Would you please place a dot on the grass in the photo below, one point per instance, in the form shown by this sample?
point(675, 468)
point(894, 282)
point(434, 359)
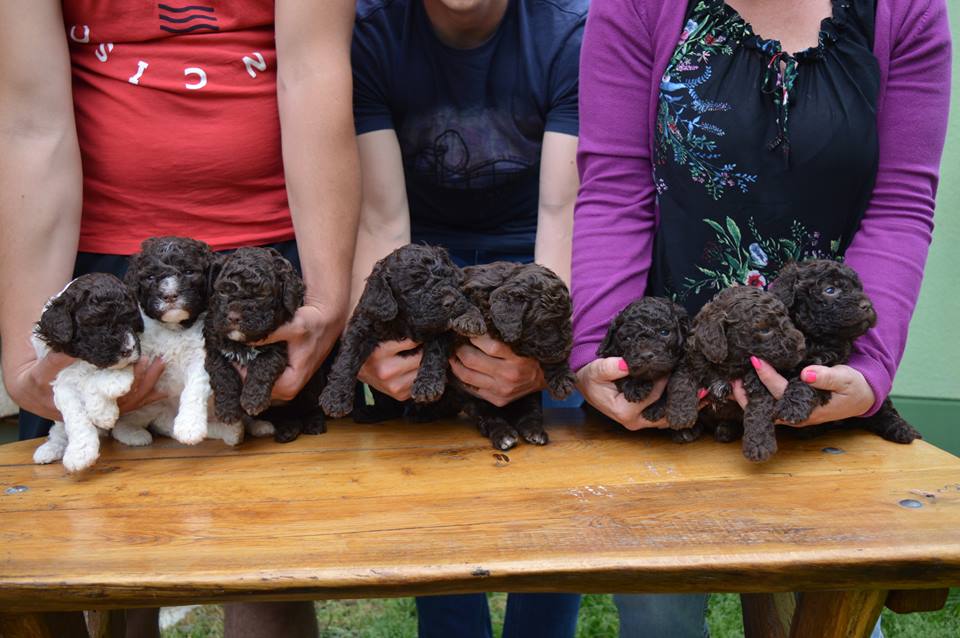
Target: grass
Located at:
point(397, 618)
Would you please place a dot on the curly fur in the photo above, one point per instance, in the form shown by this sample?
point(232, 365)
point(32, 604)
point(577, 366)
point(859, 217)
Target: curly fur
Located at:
point(738, 322)
point(170, 277)
point(827, 303)
point(649, 335)
point(527, 307)
point(412, 293)
point(255, 291)
point(96, 320)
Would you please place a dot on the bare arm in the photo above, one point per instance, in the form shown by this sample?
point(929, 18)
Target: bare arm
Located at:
point(558, 193)
point(40, 188)
point(384, 226)
point(314, 92)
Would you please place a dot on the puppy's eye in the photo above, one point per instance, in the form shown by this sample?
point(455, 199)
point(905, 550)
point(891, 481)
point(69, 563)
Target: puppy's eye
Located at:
point(665, 332)
point(189, 272)
point(151, 278)
point(765, 332)
point(831, 291)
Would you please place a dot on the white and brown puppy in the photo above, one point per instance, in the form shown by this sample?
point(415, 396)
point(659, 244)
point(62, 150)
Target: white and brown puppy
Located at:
point(170, 277)
point(96, 320)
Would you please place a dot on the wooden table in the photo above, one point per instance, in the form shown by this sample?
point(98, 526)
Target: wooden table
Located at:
point(398, 509)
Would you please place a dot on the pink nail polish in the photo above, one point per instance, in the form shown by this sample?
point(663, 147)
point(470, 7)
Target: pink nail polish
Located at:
point(810, 376)
point(701, 393)
point(623, 365)
point(757, 364)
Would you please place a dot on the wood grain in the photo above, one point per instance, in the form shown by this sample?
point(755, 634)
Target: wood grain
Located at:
point(768, 615)
point(398, 509)
point(907, 601)
point(840, 614)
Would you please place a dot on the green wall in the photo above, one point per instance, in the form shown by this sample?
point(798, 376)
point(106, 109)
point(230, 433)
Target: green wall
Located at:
point(929, 375)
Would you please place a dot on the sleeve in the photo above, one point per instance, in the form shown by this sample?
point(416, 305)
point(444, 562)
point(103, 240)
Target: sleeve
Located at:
point(564, 84)
point(369, 59)
point(615, 215)
point(890, 248)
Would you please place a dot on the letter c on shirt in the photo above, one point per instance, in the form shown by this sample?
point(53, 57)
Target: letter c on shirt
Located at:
point(200, 73)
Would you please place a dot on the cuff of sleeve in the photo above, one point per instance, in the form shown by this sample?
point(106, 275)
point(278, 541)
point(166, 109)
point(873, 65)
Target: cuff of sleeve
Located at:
point(582, 354)
point(876, 375)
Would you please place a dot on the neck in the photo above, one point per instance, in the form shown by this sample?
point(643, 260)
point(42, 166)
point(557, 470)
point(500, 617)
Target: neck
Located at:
point(465, 24)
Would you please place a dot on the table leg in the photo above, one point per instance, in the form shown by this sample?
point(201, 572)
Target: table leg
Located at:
point(767, 615)
point(837, 614)
point(905, 601)
point(51, 625)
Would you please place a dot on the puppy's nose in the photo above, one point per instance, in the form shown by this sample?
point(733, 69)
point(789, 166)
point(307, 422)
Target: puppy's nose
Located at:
point(233, 316)
point(170, 297)
point(646, 356)
point(865, 305)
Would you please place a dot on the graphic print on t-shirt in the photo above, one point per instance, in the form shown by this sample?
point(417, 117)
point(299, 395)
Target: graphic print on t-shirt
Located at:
point(187, 18)
point(478, 149)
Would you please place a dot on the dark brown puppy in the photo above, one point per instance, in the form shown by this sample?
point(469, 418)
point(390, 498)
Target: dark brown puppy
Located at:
point(95, 319)
point(827, 303)
point(412, 293)
point(171, 278)
point(255, 291)
point(738, 322)
point(649, 334)
point(527, 307)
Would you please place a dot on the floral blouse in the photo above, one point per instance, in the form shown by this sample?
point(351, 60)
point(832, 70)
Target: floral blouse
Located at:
point(761, 156)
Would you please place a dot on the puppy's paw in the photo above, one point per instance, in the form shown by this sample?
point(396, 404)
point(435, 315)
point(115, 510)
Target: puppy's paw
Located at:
point(635, 390)
point(49, 452)
point(105, 415)
point(654, 411)
point(314, 424)
point(189, 431)
point(902, 432)
point(227, 410)
point(562, 385)
point(537, 437)
point(681, 414)
point(792, 410)
point(286, 432)
point(759, 448)
point(258, 428)
point(727, 432)
point(131, 435)
point(255, 399)
point(80, 457)
point(230, 433)
point(469, 324)
point(687, 435)
point(504, 439)
point(427, 388)
point(337, 402)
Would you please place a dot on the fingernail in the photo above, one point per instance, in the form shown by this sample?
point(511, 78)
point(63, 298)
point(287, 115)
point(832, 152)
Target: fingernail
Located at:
point(809, 376)
point(757, 364)
point(702, 392)
point(623, 365)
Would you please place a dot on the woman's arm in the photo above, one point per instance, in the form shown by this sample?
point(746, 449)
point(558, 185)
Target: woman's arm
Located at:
point(315, 97)
point(890, 248)
point(40, 189)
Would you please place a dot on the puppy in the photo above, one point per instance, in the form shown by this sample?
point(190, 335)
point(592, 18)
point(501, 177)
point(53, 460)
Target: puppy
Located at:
point(414, 292)
point(170, 277)
point(649, 335)
point(255, 291)
point(827, 303)
point(96, 320)
point(527, 307)
point(738, 322)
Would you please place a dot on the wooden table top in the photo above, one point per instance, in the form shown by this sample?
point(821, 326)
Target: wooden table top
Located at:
point(399, 509)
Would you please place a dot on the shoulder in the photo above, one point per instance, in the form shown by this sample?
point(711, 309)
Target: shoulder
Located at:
point(379, 11)
point(899, 23)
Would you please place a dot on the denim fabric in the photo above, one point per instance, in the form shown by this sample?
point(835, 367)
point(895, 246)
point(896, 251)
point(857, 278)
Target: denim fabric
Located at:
point(527, 616)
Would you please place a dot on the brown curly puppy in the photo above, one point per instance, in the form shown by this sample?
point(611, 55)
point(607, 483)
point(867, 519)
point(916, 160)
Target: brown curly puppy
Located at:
point(738, 322)
point(649, 334)
point(827, 303)
point(527, 307)
point(255, 291)
point(412, 293)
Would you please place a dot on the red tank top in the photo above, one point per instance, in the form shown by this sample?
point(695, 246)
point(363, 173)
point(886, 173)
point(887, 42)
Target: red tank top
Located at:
point(176, 114)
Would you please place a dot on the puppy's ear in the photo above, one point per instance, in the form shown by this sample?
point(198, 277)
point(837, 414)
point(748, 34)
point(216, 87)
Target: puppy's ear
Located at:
point(213, 270)
point(608, 347)
point(712, 338)
point(507, 314)
point(291, 285)
point(377, 298)
point(784, 287)
point(56, 323)
point(683, 324)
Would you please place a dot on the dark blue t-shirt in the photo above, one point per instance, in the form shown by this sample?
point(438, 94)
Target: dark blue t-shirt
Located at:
point(470, 122)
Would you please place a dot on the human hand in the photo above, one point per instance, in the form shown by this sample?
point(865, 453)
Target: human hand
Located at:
point(310, 335)
point(596, 382)
point(851, 395)
point(142, 391)
point(391, 371)
point(492, 371)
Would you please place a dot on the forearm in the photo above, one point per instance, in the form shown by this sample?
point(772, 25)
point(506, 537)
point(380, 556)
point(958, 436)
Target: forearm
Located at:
point(558, 193)
point(378, 235)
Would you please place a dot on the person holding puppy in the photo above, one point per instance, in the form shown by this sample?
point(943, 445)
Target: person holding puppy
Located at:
point(711, 155)
point(466, 116)
point(121, 125)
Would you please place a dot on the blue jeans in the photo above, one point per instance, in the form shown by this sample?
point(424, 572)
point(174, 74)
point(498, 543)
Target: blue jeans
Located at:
point(468, 616)
point(670, 616)
point(32, 426)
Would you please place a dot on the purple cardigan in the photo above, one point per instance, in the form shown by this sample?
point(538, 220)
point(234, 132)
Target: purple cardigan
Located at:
point(626, 48)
